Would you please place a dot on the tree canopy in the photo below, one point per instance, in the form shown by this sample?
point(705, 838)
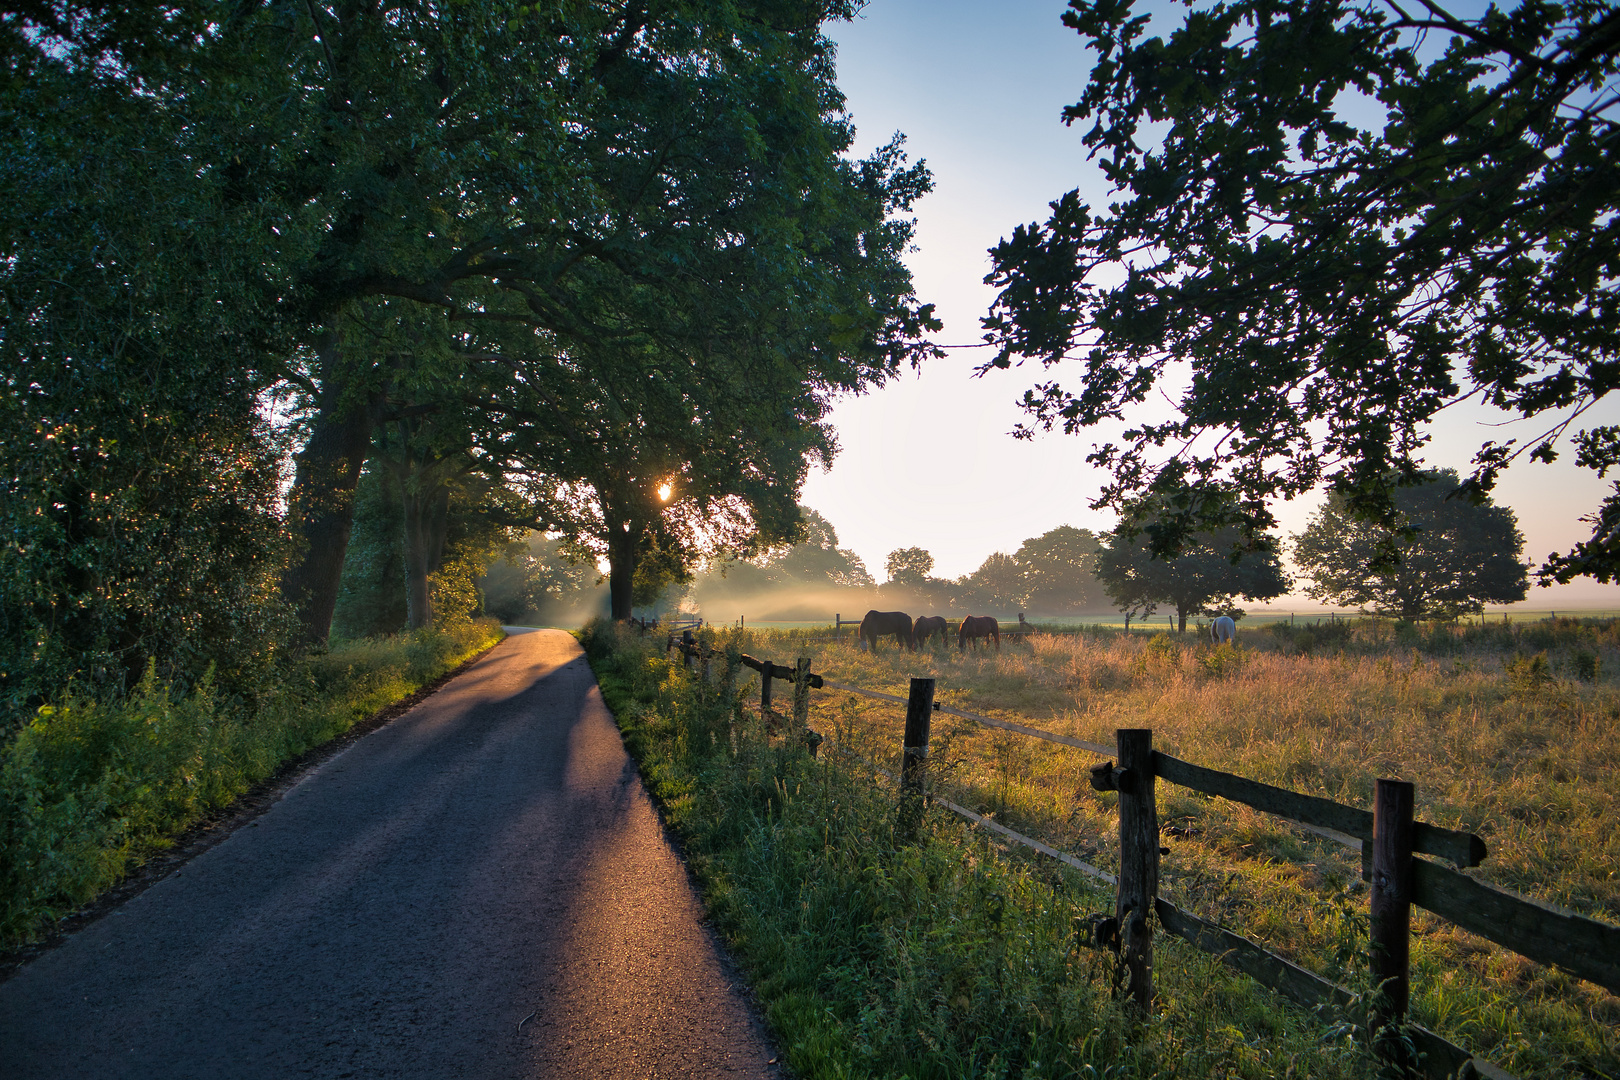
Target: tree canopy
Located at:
point(1060, 571)
point(1455, 556)
point(1331, 221)
point(1205, 578)
point(908, 566)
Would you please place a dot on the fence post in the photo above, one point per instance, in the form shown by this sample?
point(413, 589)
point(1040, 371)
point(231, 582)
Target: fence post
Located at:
point(733, 665)
point(914, 756)
point(838, 626)
point(767, 672)
point(801, 694)
point(1138, 862)
point(1391, 911)
point(686, 649)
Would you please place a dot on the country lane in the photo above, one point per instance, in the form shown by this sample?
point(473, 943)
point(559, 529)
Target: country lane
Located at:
point(480, 888)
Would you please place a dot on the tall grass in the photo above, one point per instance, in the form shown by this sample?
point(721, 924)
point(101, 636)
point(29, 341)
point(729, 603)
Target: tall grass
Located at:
point(942, 958)
point(1507, 731)
point(91, 788)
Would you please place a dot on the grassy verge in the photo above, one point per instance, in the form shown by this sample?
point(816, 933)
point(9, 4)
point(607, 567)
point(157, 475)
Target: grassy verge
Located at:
point(1507, 731)
point(947, 957)
point(90, 789)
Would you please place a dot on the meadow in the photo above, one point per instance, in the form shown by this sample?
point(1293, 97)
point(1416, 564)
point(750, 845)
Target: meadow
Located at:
point(1506, 730)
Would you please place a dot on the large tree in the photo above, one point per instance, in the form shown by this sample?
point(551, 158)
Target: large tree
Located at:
point(690, 245)
point(1331, 220)
point(908, 566)
point(997, 585)
point(1207, 577)
point(817, 559)
point(1455, 556)
point(140, 491)
point(1060, 570)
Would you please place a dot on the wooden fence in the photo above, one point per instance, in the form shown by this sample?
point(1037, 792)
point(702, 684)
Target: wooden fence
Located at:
point(1393, 847)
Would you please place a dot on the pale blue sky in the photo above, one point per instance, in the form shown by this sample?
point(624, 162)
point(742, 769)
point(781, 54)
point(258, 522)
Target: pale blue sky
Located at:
point(977, 88)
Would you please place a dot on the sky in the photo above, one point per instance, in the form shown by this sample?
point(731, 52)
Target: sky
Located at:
point(928, 460)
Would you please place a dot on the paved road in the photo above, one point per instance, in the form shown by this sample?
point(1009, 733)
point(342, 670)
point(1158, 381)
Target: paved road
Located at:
point(489, 855)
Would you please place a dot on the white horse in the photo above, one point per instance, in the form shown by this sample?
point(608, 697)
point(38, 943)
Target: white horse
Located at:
point(1223, 630)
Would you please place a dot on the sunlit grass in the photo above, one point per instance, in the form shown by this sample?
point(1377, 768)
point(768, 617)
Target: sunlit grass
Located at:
point(91, 788)
point(940, 958)
point(1518, 749)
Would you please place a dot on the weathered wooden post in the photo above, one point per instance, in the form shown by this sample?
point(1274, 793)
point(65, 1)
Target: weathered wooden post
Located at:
point(1391, 904)
point(687, 642)
point(1138, 862)
point(838, 626)
point(801, 694)
point(767, 672)
point(733, 665)
point(914, 756)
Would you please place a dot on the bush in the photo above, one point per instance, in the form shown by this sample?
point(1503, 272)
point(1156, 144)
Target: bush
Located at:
point(89, 788)
point(1527, 674)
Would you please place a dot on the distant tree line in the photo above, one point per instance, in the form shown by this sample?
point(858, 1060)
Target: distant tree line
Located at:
point(1454, 556)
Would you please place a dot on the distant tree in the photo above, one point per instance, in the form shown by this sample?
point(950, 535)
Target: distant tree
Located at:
point(1060, 571)
point(1329, 221)
point(1203, 579)
point(817, 559)
point(998, 584)
point(1454, 556)
point(908, 566)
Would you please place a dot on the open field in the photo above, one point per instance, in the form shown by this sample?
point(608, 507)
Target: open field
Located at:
point(1507, 730)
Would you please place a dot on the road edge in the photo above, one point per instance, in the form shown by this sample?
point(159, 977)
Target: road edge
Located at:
point(219, 825)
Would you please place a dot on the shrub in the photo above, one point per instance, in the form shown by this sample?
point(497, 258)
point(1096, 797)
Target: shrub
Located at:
point(1527, 674)
point(89, 788)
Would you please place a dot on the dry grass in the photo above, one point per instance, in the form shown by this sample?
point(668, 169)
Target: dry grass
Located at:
point(1518, 749)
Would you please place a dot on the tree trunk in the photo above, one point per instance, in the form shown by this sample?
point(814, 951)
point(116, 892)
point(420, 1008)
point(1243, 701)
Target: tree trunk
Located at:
point(418, 600)
point(427, 516)
point(321, 509)
point(623, 540)
point(1181, 621)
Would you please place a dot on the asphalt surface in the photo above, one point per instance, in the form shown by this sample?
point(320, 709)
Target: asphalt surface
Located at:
point(479, 889)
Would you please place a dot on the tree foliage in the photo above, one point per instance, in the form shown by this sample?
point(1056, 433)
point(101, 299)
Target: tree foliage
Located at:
point(817, 559)
point(908, 566)
point(1207, 577)
point(139, 497)
point(1331, 221)
point(1455, 556)
point(1060, 571)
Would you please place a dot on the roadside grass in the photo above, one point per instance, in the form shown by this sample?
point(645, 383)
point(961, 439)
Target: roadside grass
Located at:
point(947, 957)
point(1507, 731)
point(89, 789)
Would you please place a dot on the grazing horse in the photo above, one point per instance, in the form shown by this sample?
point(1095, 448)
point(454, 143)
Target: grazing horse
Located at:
point(882, 623)
point(975, 627)
point(1223, 630)
point(927, 627)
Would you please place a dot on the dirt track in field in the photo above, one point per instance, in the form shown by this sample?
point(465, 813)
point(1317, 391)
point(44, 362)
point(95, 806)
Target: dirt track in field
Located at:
point(481, 888)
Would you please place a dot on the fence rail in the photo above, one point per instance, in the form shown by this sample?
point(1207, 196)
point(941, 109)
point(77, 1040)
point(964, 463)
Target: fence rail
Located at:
point(1584, 947)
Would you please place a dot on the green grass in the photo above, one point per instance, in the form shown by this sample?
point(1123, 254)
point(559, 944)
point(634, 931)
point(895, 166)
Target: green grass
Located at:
point(89, 789)
point(947, 957)
point(1507, 731)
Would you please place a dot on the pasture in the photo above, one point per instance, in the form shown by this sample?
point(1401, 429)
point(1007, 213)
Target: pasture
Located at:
point(1507, 731)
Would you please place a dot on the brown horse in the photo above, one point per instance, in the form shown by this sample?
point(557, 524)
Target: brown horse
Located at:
point(883, 623)
point(975, 627)
point(927, 627)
